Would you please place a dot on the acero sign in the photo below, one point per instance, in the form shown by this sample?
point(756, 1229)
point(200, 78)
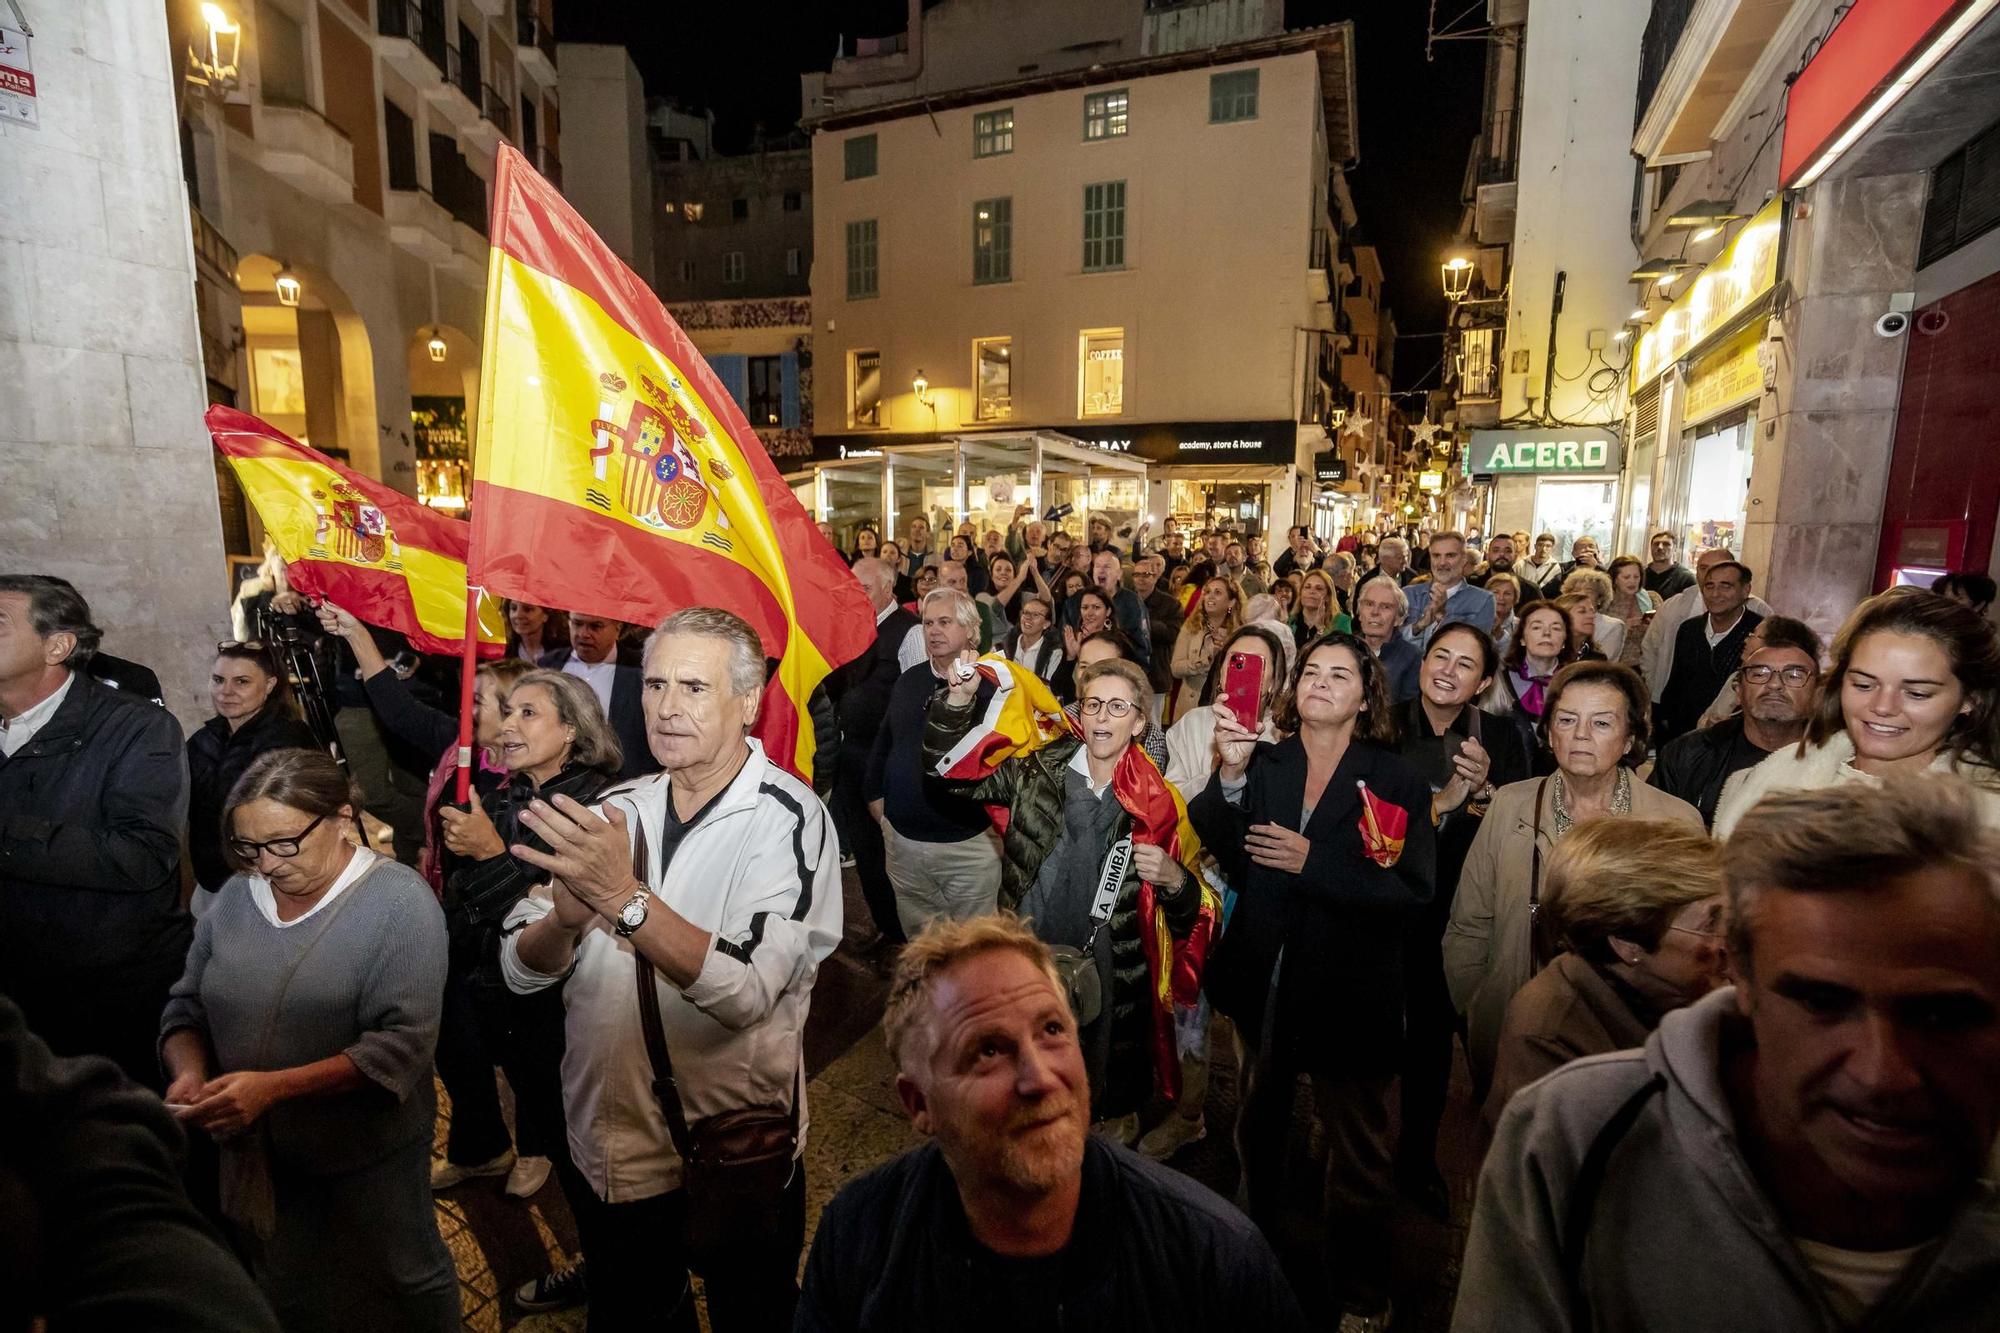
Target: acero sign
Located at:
point(1550, 449)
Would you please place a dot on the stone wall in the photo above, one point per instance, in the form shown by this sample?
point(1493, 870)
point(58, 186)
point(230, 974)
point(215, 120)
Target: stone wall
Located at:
point(108, 474)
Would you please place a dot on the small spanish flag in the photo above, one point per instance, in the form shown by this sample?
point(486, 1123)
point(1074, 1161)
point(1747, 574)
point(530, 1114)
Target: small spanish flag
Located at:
point(1383, 827)
point(366, 547)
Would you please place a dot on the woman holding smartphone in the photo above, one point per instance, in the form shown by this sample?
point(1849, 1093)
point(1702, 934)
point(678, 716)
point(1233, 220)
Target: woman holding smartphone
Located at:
point(1305, 830)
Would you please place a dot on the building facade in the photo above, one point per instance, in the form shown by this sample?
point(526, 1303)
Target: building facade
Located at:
point(1135, 247)
point(339, 170)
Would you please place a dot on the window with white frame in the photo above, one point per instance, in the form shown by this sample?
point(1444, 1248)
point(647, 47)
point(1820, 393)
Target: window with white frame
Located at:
point(993, 132)
point(993, 240)
point(732, 266)
point(1101, 373)
point(1103, 226)
point(993, 378)
point(1232, 95)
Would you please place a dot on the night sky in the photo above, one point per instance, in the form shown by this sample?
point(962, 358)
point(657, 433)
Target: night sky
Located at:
point(742, 58)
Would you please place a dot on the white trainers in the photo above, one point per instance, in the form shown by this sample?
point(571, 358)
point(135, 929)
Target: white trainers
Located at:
point(446, 1174)
point(528, 1177)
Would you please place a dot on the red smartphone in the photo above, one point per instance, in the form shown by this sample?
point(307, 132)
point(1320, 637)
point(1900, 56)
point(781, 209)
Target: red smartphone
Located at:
point(1243, 689)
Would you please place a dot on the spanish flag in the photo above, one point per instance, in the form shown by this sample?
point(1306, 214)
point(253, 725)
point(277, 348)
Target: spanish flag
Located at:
point(364, 546)
point(1383, 828)
point(1023, 716)
point(615, 476)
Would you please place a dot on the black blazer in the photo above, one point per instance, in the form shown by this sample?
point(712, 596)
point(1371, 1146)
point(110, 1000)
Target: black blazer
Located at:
point(628, 711)
point(862, 687)
point(1340, 922)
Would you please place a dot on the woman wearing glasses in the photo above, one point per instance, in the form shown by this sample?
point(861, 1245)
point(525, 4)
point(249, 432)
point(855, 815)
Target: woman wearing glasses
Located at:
point(300, 1037)
point(253, 715)
point(1638, 905)
point(1064, 819)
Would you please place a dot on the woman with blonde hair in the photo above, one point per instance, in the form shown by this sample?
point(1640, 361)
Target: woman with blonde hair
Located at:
point(1319, 608)
point(1217, 614)
point(1637, 903)
point(1630, 605)
point(1608, 632)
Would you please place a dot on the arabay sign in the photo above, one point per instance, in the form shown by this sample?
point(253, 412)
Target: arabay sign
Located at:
point(1545, 449)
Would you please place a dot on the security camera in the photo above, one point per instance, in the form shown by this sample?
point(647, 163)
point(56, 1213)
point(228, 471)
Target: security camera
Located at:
point(1892, 325)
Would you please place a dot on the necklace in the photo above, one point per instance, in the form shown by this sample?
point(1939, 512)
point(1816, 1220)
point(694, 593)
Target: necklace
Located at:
point(1621, 800)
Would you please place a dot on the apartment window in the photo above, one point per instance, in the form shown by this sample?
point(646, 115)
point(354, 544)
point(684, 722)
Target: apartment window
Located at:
point(794, 201)
point(993, 132)
point(732, 266)
point(993, 240)
point(691, 211)
point(861, 271)
point(1101, 373)
point(1232, 96)
point(864, 388)
point(1103, 226)
point(1104, 115)
point(399, 131)
point(993, 378)
point(766, 406)
point(739, 210)
point(860, 152)
point(795, 262)
point(687, 270)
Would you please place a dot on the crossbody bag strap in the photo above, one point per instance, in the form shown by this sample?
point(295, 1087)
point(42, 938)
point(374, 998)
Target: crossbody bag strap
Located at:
point(665, 1088)
point(1535, 879)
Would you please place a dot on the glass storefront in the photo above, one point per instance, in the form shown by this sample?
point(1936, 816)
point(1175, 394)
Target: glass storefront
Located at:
point(1577, 507)
point(1242, 505)
point(850, 495)
point(1715, 458)
point(924, 484)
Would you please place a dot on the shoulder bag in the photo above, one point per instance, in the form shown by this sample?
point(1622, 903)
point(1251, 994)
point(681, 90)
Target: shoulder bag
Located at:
point(735, 1164)
point(1544, 942)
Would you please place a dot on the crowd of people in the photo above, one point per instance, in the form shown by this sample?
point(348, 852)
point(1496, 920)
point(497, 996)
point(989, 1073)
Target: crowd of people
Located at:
point(1438, 791)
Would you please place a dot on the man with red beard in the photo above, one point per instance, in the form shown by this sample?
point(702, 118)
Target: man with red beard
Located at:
point(1015, 1216)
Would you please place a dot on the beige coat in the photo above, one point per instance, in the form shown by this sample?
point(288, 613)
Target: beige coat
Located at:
point(1487, 951)
point(1194, 654)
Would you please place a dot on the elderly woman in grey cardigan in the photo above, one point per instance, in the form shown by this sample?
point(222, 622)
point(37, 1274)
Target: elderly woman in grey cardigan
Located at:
point(300, 1038)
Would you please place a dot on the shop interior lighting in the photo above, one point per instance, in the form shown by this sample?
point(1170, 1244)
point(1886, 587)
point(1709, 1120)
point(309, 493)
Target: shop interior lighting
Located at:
point(1885, 101)
point(1708, 213)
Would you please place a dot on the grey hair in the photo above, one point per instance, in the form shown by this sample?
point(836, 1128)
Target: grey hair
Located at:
point(1853, 838)
point(875, 575)
point(963, 608)
point(56, 607)
point(746, 650)
point(1402, 597)
point(1393, 544)
point(595, 744)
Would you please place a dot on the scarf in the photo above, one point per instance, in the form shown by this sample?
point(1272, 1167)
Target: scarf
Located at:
point(1530, 691)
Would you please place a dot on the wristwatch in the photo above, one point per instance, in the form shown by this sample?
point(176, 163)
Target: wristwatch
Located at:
point(633, 914)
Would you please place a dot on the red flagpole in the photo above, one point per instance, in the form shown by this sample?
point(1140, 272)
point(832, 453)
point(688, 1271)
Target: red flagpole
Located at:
point(468, 671)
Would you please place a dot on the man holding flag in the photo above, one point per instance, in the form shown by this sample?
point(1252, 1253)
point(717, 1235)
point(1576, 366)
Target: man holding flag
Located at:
point(1100, 854)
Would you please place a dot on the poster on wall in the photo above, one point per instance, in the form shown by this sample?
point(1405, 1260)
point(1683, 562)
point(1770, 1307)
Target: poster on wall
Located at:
point(17, 79)
point(1716, 534)
point(281, 382)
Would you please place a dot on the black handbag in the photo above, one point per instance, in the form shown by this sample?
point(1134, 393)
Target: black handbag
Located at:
point(735, 1165)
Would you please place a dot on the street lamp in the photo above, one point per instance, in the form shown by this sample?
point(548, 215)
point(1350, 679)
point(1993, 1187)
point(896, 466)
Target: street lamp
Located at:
point(287, 283)
point(436, 346)
point(922, 388)
point(1457, 272)
point(215, 67)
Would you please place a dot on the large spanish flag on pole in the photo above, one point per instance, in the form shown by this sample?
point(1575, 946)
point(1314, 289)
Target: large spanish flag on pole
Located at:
point(615, 476)
point(366, 547)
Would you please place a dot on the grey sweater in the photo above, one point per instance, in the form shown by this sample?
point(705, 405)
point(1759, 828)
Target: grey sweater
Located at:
point(1681, 1236)
point(371, 986)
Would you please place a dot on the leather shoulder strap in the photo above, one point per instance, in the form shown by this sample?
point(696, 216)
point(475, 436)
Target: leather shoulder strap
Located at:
point(665, 1088)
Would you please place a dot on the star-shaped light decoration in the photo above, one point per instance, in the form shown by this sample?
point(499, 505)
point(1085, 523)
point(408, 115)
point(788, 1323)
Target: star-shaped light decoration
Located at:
point(1359, 424)
point(1425, 431)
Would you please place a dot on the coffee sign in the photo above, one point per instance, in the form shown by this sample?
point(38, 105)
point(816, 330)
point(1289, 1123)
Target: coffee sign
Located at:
point(1552, 449)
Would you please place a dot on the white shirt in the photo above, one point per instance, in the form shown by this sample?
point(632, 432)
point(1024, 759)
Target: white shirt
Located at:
point(260, 890)
point(888, 609)
point(1715, 635)
point(1855, 1281)
point(1080, 763)
point(912, 651)
point(17, 731)
point(1025, 653)
point(600, 676)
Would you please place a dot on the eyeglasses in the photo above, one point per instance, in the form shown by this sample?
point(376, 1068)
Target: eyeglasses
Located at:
point(283, 848)
point(1761, 675)
point(230, 645)
point(1113, 707)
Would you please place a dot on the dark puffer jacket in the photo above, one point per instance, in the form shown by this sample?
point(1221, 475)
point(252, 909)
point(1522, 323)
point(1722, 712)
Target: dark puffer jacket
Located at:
point(1032, 789)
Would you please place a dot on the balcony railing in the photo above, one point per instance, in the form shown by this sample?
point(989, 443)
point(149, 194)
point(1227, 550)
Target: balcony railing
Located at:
point(405, 18)
point(497, 107)
point(545, 161)
point(210, 247)
point(1494, 155)
point(1656, 49)
point(531, 31)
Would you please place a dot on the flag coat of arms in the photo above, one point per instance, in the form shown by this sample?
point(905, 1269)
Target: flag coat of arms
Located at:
point(615, 476)
point(363, 546)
